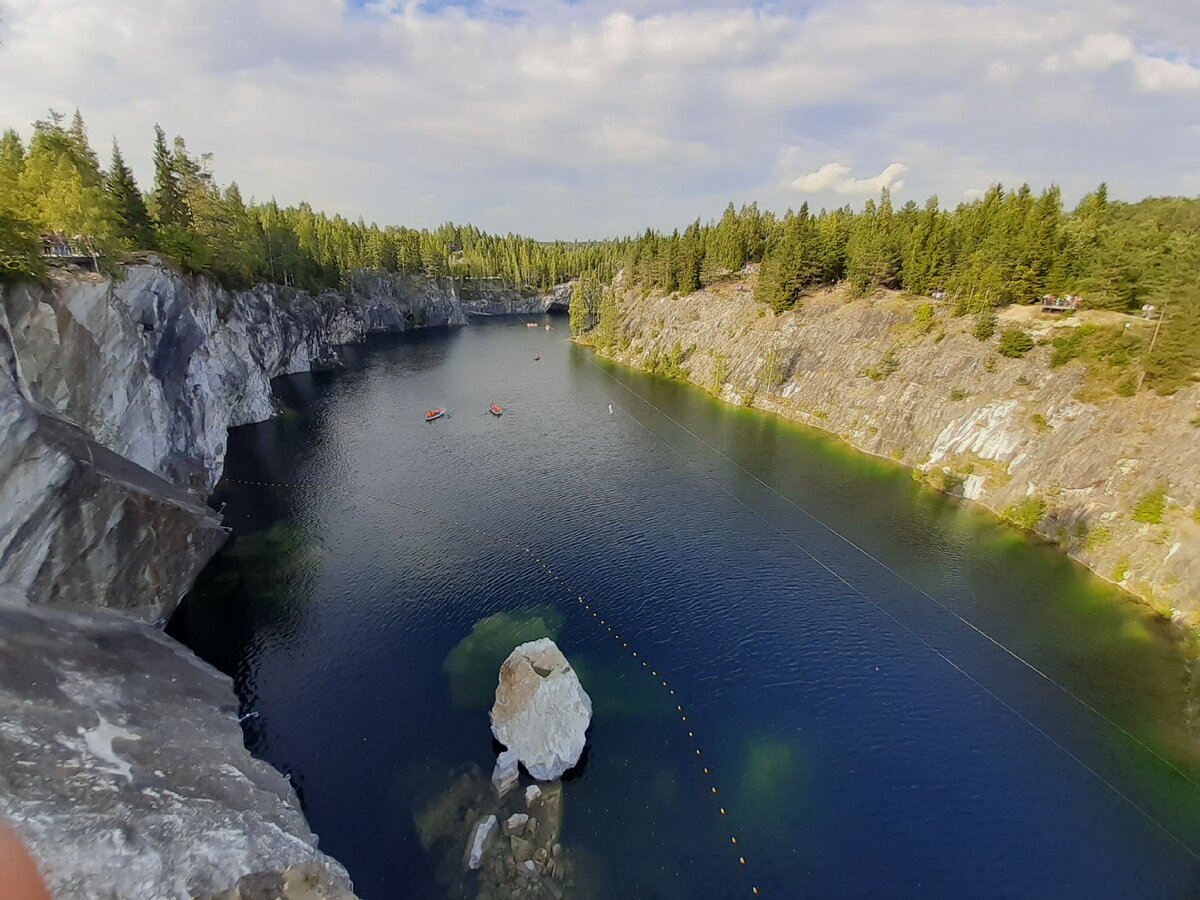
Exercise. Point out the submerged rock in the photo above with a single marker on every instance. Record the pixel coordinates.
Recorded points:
(533, 795)
(541, 711)
(478, 844)
(506, 773)
(515, 823)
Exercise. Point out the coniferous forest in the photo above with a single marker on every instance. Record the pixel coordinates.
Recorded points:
(1010, 246)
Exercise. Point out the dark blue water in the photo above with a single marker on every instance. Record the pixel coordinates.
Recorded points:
(863, 741)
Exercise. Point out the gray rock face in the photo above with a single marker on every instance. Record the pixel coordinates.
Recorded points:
(115, 400)
(541, 711)
(492, 298)
(123, 769)
(82, 524)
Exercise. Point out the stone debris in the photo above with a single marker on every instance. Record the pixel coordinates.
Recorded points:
(506, 773)
(515, 823)
(510, 852)
(541, 711)
(480, 837)
(533, 796)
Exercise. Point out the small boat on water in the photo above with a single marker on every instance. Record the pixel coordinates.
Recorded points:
(495, 409)
(531, 324)
(536, 357)
(547, 326)
(431, 414)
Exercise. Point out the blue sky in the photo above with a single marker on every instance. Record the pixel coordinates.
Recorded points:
(584, 119)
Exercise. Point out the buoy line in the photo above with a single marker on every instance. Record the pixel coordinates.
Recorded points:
(939, 653)
(580, 603)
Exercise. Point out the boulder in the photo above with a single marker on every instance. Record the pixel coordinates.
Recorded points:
(506, 773)
(477, 845)
(541, 711)
(533, 796)
(515, 823)
(521, 849)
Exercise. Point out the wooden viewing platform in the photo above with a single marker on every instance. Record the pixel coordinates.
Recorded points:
(1069, 303)
(77, 251)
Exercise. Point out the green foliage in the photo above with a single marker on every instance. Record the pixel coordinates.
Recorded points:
(958, 394)
(1097, 536)
(1150, 508)
(1120, 570)
(20, 249)
(985, 324)
(1010, 246)
(1040, 423)
(1025, 513)
(888, 363)
(131, 220)
(720, 372)
(923, 318)
(1014, 343)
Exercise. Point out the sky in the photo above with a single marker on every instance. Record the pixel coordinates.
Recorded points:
(586, 119)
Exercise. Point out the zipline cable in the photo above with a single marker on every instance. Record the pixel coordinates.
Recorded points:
(1192, 853)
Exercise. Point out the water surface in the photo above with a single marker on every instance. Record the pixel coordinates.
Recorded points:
(864, 741)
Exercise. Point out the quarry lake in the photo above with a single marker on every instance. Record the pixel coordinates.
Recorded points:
(838, 638)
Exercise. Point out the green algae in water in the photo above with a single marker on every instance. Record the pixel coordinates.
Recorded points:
(268, 563)
(473, 666)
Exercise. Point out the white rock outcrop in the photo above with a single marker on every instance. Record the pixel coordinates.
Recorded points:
(481, 836)
(541, 711)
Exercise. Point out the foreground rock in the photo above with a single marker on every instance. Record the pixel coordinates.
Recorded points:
(542, 711)
(123, 768)
(474, 857)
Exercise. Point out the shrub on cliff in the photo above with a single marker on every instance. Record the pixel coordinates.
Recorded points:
(1150, 509)
(1025, 513)
(985, 325)
(1014, 343)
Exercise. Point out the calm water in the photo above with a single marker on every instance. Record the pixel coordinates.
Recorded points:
(853, 759)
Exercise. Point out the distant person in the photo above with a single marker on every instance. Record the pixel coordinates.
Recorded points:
(19, 877)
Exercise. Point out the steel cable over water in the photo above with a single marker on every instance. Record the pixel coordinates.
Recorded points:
(579, 603)
(858, 592)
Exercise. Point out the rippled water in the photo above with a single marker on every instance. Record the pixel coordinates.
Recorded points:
(864, 741)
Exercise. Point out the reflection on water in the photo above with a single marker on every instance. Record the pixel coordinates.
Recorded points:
(850, 760)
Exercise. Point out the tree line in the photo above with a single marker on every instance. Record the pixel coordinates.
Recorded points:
(56, 185)
(1009, 246)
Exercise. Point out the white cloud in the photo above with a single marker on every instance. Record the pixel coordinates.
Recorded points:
(1161, 76)
(1152, 74)
(569, 119)
(839, 179)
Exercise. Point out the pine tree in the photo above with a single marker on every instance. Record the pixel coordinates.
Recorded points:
(168, 200)
(131, 220)
(12, 164)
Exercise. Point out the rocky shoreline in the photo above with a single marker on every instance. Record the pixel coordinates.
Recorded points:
(1034, 443)
(125, 770)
